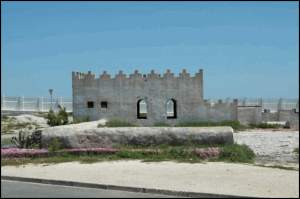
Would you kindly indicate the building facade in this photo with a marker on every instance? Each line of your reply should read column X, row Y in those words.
column 120, row 97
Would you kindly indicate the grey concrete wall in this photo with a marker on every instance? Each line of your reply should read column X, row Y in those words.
column 284, row 115
column 122, row 95
column 250, row 115
column 294, row 119
column 268, row 116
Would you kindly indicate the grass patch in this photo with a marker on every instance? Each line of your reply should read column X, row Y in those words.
column 143, row 114
column 161, row 124
column 42, row 114
column 164, row 152
column 79, row 120
column 4, row 118
column 117, row 123
column 266, row 125
column 234, row 124
column 296, row 150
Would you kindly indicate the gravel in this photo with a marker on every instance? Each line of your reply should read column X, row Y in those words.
column 271, row 146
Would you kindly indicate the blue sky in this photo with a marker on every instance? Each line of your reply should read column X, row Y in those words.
column 246, row 49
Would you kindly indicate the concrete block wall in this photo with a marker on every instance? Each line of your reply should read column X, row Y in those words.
column 250, row 115
column 291, row 116
column 268, row 116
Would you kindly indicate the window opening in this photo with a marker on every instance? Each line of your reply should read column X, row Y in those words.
column 141, row 109
column 103, row 104
column 90, row 104
column 171, row 109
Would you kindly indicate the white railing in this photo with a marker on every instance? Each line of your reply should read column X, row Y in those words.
column 44, row 104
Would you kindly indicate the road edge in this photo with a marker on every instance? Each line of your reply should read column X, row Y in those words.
column 123, row 188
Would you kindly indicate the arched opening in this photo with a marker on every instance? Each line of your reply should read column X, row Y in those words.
column 171, row 109
column 142, row 109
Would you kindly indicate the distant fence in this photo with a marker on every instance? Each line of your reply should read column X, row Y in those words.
column 271, row 104
column 44, row 104
column 34, row 104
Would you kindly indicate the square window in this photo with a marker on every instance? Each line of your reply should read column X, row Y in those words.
column 103, row 104
column 90, row 104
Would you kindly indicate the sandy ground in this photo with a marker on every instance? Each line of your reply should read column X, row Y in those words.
column 210, row 177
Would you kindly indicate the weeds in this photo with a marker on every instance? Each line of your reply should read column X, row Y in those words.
column 161, row 124
column 55, row 145
column 296, row 150
column 4, row 118
column 117, row 123
column 79, row 120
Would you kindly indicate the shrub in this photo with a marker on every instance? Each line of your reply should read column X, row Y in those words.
column 57, row 120
column 34, row 146
column 55, row 145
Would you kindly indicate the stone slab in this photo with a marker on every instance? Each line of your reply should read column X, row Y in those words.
column 145, row 136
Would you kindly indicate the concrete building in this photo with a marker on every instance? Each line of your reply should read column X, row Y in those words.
column 120, row 97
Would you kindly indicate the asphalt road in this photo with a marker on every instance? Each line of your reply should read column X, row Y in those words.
column 15, row 189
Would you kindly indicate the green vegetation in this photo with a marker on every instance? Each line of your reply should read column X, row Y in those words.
column 161, row 124
column 296, row 150
column 266, row 125
column 234, row 124
column 4, row 118
column 164, row 152
column 55, row 145
column 117, row 123
column 79, row 120
column 143, row 114
column 57, row 120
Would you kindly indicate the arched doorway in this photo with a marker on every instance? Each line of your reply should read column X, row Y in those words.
column 141, row 109
column 171, row 109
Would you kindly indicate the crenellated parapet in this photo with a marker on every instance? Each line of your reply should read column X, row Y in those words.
column 221, row 104
column 136, row 75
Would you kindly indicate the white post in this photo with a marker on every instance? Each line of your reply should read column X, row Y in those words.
column 21, row 103
column 40, row 104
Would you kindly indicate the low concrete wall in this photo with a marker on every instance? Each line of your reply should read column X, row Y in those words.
column 145, row 136
column 250, row 115
column 268, row 116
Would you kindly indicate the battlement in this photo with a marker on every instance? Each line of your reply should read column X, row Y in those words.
column 220, row 103
column 137, row 75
